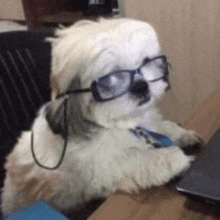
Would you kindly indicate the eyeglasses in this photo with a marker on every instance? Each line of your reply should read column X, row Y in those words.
column 117, row 83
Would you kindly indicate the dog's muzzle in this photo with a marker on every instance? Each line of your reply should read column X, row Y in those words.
column 140, row 89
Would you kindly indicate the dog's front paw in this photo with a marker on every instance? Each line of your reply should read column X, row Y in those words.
column 179, row 162
column 190, row 142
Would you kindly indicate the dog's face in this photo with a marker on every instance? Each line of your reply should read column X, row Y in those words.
column 110, row 49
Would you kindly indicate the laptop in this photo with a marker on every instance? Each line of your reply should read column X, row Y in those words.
column 202, row 180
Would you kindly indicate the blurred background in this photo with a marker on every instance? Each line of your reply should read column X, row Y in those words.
column 189, row 33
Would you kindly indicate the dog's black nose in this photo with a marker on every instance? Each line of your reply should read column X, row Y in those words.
column 140, row 88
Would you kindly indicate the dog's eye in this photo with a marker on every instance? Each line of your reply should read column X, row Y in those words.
column 114, row 84
column 107, row 82
column 156, row 63
column 115, row 80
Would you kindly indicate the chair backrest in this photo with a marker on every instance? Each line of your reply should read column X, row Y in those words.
column 24, row 82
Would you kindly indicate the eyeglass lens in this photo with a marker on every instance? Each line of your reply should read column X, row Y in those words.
column 118, row 83
column 113, row 84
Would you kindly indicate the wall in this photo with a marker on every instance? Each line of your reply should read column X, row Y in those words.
column 11, row 9
column 189, row 32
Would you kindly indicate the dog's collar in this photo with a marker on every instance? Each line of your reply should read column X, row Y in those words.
column 159, row 140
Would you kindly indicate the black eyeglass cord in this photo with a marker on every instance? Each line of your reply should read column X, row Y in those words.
column 73, row 91
column 65, row 143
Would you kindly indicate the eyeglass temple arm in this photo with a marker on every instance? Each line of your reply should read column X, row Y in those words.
column 74, row 91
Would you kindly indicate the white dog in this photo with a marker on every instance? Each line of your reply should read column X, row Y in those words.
column 107, row 78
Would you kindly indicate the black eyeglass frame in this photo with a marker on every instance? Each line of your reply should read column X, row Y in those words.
column 132, row 73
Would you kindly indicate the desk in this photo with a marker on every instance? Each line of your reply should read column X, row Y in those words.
column 165, row 203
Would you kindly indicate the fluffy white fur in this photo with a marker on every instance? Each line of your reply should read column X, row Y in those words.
column 102, row 156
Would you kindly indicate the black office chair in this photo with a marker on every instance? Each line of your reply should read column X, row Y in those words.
column 24, row 84
column 25, row 60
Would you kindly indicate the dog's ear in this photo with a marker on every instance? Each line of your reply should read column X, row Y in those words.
column 64, row 116
column 54, row 113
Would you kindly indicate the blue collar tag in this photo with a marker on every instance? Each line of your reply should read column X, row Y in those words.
column 161, row 140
